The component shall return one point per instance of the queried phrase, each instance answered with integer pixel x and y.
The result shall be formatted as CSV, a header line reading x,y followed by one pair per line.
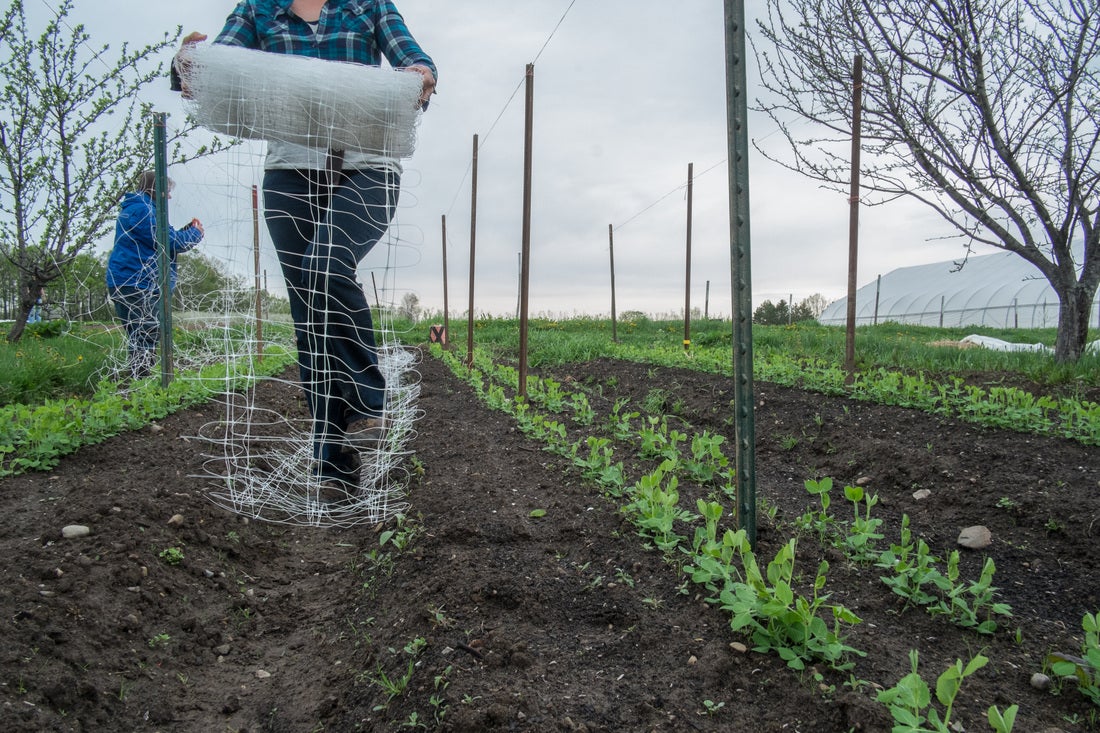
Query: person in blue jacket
x,y
326,210
133,280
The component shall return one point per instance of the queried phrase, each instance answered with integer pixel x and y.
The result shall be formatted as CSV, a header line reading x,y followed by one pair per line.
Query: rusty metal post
x,y
473,250
611,249
446,302
853,217
525,266
878,293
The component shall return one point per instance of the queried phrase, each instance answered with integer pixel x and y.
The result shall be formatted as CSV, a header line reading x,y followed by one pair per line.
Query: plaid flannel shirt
x,y
360,31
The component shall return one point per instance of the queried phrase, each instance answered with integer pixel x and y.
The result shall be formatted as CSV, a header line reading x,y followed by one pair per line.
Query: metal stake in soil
x,y
525,261
473,250
164,258
446,301
737,114
853,218
687,276
611,249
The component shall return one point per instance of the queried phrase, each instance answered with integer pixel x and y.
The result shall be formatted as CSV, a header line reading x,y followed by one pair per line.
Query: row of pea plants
x,y
1001,407
36,437
801,628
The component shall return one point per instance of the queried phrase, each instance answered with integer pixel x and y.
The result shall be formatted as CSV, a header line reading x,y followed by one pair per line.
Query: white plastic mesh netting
x,y
263,460
301,100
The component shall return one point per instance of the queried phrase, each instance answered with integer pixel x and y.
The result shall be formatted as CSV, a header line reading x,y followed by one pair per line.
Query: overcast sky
x,y
627,94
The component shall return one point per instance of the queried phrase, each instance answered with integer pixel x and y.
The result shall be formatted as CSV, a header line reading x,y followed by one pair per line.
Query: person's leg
x,y
295,202
137,310
362,207
292,208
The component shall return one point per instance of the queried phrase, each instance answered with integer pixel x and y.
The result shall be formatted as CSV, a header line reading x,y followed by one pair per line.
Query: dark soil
x,y
559,623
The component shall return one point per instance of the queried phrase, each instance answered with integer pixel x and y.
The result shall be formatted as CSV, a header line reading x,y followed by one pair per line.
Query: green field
x,y
55,391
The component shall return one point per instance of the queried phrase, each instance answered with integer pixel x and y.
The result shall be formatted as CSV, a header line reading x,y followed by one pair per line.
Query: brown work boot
x,y
335,492
365,433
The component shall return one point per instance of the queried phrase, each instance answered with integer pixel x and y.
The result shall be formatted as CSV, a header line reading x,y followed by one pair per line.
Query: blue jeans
x,y
322,227
137,309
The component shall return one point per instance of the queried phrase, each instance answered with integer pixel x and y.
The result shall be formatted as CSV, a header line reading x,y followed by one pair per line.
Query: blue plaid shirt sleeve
x,y
240,27
396,43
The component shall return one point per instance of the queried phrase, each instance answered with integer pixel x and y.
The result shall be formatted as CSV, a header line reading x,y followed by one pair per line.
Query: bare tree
x,y
72,137
815,304
410,307
984,110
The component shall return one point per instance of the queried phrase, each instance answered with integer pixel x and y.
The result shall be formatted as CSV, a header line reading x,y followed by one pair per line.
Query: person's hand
x,y
181,66
428,79
198,225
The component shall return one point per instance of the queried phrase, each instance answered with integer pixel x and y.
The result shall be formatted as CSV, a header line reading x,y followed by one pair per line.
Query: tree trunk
x,y
29,292
20,323
1074,309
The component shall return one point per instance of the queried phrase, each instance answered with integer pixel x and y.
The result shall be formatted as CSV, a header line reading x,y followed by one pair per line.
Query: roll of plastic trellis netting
x,y
301,100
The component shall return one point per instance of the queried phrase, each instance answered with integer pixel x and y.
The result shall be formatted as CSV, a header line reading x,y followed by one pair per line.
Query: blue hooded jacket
x,y
133,261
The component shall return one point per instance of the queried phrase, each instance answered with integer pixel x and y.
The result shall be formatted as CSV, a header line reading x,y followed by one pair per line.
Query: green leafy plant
x,y
779,619
860,539
712,707
400,536
598,466
670,451
970,605
1002,722
788,442
655,507
910,700
711,564
1085,670
437,701
652,437
583,414
913,566
620,423
171,555
396,686
547,393
159,640
819,521
707,459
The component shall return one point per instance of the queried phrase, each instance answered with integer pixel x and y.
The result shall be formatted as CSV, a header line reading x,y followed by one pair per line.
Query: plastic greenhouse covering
x,y
1000,290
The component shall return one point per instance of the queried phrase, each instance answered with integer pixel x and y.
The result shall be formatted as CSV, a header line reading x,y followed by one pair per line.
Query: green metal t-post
x,y
164,255
741,271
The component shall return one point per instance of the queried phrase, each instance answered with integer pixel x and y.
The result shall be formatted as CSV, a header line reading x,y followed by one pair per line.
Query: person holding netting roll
x,y
325,211
133,270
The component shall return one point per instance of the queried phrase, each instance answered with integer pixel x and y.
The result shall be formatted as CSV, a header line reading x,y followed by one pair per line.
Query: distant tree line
x,y
782,313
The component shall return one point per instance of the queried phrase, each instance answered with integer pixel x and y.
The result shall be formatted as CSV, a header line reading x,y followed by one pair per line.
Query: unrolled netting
x,y
262,458
301,100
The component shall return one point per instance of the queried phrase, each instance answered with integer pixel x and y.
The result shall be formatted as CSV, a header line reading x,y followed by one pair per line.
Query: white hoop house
x,y
1001,290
